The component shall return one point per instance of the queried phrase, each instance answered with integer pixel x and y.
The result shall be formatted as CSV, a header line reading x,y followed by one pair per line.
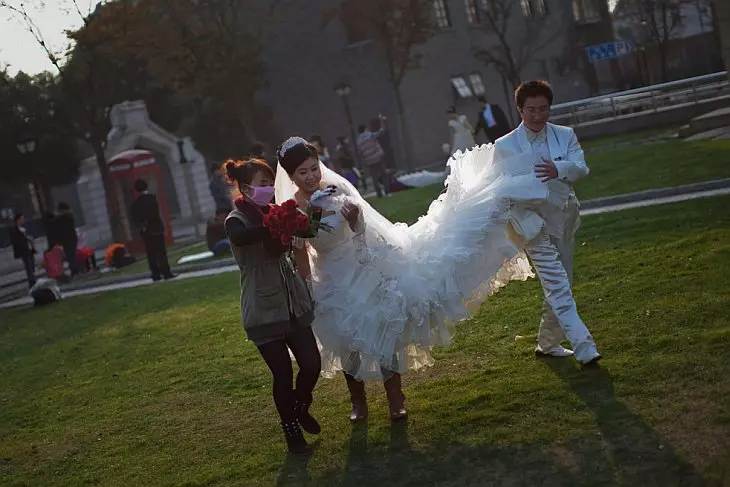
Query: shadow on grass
x,y
638,453
627,451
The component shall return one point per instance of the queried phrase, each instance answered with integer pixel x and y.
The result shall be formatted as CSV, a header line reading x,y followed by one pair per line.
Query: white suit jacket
x,y
567,154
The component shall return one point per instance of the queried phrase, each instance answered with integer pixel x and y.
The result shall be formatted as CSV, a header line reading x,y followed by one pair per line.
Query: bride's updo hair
x,y
293,152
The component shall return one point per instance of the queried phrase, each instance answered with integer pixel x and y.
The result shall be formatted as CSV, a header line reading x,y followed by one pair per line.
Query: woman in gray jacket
x,y
276,307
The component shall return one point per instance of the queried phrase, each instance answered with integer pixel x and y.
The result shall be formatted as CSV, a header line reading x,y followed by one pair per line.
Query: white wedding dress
x,y
386,293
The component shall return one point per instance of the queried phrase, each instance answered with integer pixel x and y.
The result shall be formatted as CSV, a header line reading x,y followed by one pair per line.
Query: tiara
x,y
289,143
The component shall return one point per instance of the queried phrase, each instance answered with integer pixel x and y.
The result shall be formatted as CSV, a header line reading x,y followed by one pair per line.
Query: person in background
x,y
215,233
23,247
372,155
219,189
67,238
85,258
492,121
376,125
258,151
49,221
461,132
146,216
346,161
322,151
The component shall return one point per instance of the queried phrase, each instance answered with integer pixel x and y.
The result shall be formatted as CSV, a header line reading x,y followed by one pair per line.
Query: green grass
x,y
612,172
174,252
609,140
157,385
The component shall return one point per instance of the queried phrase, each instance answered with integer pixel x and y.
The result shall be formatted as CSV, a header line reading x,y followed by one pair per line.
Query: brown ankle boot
x,y
358,398
396,398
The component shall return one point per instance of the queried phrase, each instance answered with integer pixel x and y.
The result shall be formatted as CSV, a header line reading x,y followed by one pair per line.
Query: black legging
x,y
276,354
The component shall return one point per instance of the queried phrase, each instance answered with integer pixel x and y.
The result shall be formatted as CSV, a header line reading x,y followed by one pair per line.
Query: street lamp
x,y
343,90
27,147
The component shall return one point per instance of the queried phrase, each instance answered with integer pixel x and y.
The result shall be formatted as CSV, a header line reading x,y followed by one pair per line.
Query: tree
x,y
721,14
398,27
100,70
663,19
655,23
210,53
517,31
28,110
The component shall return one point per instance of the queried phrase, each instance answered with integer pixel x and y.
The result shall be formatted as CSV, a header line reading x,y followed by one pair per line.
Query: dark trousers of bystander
x,y
157,257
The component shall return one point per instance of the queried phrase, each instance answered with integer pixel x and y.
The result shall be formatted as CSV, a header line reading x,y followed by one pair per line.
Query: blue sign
x,y
609,50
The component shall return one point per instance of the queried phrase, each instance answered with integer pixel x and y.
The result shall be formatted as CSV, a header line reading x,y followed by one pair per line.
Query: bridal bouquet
x,y
287,221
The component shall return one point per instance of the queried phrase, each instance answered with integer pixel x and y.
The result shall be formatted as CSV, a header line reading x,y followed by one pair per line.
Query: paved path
x,y
655,201
25,301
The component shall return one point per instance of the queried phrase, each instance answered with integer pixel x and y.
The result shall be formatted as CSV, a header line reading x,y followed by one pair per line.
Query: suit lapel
x,y
522,139
554,144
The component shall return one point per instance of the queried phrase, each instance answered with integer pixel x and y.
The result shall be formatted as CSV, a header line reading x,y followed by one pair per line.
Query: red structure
x,y
124,169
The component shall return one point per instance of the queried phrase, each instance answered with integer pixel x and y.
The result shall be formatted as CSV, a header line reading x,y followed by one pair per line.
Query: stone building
x,y
306,58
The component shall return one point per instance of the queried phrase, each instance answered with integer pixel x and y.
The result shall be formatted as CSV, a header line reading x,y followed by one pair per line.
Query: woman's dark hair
x,y
531,89
295,156
242,172
140,185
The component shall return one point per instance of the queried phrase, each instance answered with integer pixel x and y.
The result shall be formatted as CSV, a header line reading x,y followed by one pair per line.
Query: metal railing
x,y
650,98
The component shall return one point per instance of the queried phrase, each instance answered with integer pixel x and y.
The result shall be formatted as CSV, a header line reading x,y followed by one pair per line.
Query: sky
x,y
18,49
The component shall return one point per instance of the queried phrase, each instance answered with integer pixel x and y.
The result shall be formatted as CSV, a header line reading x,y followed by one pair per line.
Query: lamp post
x,y
343,90
192,197
27,147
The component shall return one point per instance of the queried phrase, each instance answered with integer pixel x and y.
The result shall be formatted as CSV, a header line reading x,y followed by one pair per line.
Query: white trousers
x,y
552,258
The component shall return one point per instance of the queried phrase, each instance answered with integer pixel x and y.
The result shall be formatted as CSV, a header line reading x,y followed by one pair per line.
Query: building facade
x,y
307,57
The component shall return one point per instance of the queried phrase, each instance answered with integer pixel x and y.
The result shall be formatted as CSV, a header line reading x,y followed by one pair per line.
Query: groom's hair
x,y
531,89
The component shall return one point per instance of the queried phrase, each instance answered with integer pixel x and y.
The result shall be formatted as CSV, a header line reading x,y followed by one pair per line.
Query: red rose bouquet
x,y
285,221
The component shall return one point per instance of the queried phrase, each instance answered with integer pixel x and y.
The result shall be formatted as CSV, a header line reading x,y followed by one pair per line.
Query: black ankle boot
x,y
295,439
306,420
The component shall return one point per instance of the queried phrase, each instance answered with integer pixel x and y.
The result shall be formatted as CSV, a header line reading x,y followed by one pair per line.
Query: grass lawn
x,y
174,252
608,140
157,386
612,172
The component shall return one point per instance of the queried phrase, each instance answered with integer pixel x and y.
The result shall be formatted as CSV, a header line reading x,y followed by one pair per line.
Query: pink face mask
x,y
261,195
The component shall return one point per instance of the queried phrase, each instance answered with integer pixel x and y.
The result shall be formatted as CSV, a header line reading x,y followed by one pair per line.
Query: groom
x,y
559,163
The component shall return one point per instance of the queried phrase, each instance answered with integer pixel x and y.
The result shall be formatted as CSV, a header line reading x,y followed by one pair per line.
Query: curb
x,y
655,193
183,269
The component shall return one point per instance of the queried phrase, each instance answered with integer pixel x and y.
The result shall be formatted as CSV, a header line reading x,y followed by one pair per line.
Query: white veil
x,y
376,225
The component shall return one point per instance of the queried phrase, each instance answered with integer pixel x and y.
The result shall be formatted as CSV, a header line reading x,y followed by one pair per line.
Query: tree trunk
x,y
403,134
46,195
721,11
663,58
114,222
510,100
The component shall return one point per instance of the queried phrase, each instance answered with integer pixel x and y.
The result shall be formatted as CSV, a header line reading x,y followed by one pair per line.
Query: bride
x,y
386,293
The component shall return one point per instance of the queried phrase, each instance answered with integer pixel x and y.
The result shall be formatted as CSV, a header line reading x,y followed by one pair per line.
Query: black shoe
x,y
156,278
295,441
171,276
306,420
